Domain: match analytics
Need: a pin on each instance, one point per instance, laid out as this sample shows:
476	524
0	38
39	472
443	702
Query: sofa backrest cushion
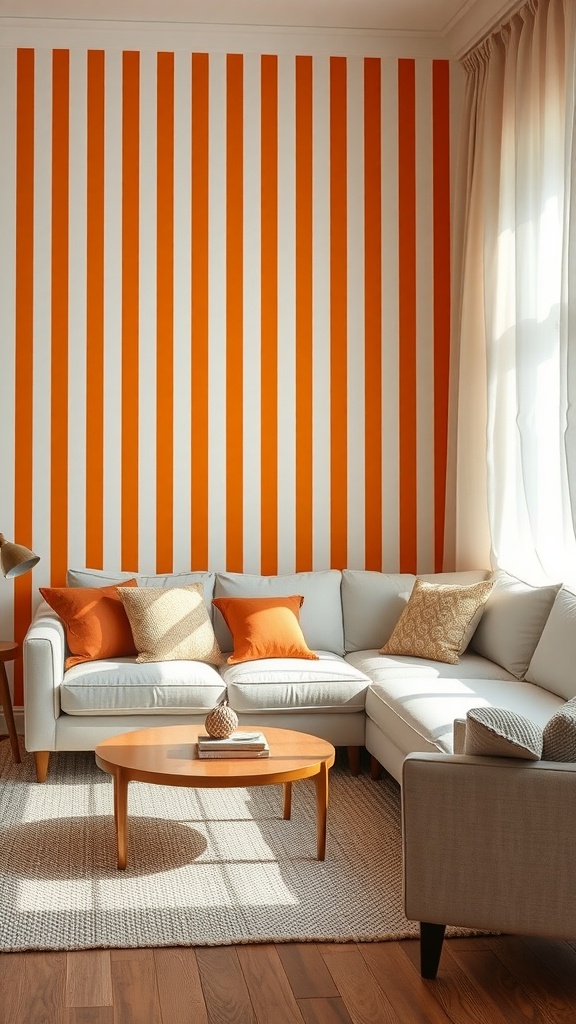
553	664
514	616
320	614
372	602
103	578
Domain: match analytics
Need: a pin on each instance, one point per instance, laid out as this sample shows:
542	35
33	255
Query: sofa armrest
44	651
490	843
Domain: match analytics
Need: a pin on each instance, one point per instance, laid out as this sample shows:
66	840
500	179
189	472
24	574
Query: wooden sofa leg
354	760
375	768
41	758
431	939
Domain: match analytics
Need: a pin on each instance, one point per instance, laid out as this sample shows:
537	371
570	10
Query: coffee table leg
321	808
287	800
121	817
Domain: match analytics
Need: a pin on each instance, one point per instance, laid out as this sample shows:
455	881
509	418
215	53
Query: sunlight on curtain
518	313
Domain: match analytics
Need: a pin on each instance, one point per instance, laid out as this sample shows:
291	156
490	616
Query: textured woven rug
205	867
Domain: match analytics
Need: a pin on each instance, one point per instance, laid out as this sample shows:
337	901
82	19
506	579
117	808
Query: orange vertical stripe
234	310
304	348
338	315
165	314
199	311
373	312
95	310
407	312
269	315
130	311
24	341
442	296
59	318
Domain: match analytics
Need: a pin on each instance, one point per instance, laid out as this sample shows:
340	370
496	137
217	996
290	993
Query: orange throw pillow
264	627
96	624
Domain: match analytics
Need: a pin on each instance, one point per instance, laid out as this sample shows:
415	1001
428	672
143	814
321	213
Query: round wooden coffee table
169	757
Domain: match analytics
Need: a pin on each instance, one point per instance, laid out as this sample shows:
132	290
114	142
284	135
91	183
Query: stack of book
239	744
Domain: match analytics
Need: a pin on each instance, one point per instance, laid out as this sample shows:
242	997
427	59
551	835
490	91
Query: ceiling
464	21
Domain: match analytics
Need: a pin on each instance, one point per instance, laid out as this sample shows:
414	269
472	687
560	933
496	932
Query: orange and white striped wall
224	310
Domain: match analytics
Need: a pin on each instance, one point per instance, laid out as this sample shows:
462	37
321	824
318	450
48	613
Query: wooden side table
8	651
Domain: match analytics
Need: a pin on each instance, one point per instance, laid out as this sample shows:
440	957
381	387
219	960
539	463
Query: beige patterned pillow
499	732
438	621
560	734
171	624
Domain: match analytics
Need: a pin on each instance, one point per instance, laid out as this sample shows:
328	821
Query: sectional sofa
520	655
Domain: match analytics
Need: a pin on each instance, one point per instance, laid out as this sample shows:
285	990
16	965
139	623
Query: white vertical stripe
390	284
321	312
355	320
252	326
112	305
7	315
147	313
182	310
286	315
424	320
217	315
77	313
42	309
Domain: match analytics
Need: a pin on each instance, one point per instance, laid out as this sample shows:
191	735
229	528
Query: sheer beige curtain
515	461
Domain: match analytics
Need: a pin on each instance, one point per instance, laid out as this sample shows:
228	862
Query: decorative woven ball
221	721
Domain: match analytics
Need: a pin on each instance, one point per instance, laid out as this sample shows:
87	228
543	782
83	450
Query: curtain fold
516	321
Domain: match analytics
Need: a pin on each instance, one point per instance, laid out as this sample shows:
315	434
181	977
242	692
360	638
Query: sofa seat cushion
418	713
122	687
381	666
285	684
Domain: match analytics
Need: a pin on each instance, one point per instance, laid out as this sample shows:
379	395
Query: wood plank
88	978
324	1011
179	987
270	992
306	970
134	992
43	987
559	957
12	971
462	1000
132	954
88	1015
496	984
554	997
408	993
224	987
365	1000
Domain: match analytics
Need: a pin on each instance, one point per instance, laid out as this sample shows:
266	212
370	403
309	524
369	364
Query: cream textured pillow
560	734
438	621
498	732
171	624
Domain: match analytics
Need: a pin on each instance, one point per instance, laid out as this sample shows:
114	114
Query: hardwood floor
499	980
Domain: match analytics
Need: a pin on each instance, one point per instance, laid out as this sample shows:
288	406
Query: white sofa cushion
104	578
419	714
512	622
288	684
553	663
122	687
380	667
372	602
320	614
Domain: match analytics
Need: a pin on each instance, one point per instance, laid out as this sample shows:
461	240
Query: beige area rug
205	867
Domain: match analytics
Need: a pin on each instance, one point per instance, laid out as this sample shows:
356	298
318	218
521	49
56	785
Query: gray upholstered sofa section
352	696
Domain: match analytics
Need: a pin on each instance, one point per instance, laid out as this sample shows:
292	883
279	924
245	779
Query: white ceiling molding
437	28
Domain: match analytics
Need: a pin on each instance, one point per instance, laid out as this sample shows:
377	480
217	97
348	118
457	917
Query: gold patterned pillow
438	621
172	624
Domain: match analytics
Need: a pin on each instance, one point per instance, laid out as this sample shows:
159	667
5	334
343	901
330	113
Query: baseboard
18	719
